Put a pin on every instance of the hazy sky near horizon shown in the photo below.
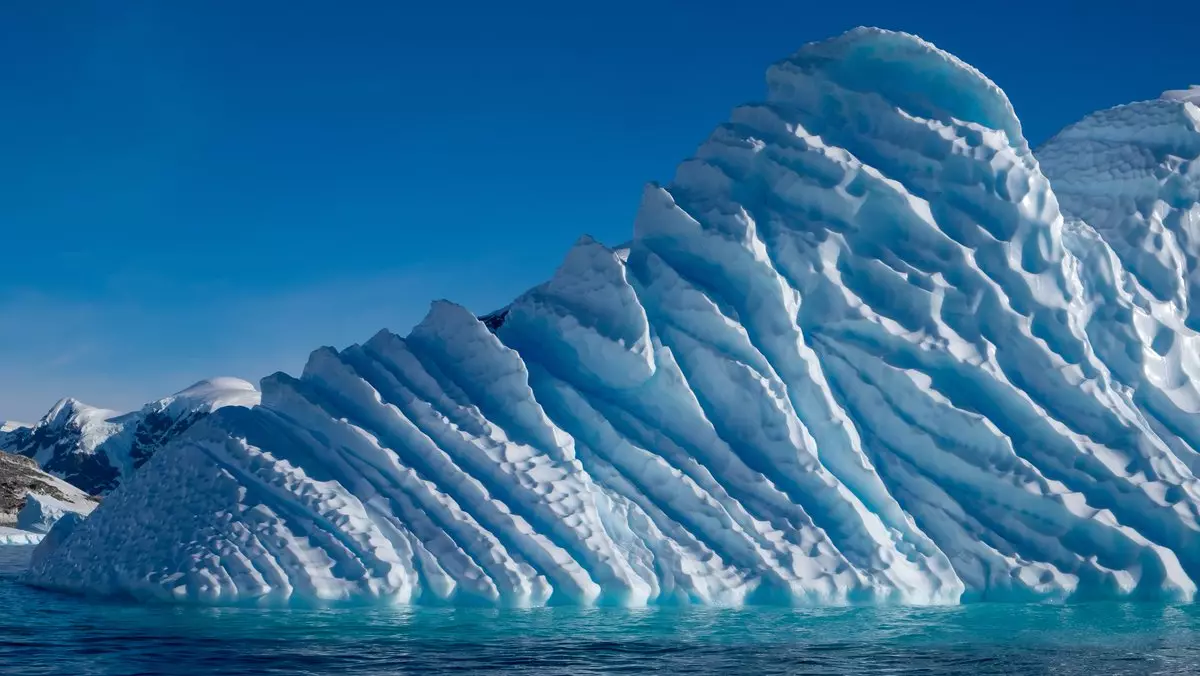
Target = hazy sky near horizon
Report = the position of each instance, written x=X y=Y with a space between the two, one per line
x=206 y=187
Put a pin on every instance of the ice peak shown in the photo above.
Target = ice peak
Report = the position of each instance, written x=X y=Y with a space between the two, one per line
x=587 y=253
x=211 y=385
x=447 y=312
x=208 y=395
x=903 y=69
x=1189 y=95
x=63 y=411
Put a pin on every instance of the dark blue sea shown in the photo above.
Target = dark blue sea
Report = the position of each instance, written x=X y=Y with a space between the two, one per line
x=45 y=633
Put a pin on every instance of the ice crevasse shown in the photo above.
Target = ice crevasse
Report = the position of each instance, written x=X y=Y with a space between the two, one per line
x=855 y=352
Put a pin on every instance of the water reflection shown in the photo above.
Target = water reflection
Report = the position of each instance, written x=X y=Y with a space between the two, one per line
x=48 y=633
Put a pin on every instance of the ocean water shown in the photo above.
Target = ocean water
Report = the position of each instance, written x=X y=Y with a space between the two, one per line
x=46 y=633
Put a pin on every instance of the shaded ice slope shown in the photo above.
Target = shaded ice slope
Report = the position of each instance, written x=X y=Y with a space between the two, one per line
x=852 y=354
x=1132 y=174
x=94 y=448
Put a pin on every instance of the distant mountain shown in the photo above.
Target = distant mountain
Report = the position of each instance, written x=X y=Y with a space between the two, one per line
x=10 y=431
x=94 y=448
x=31 y=501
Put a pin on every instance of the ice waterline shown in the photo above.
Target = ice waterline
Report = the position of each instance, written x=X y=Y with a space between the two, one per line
x=856 y=353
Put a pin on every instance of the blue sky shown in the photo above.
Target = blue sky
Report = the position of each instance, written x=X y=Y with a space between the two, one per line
x=201 y=188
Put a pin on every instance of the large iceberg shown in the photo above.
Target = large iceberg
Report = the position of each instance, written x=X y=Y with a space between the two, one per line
x=854 y=353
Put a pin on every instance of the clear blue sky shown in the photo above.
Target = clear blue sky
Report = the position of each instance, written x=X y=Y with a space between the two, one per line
x=200 y=188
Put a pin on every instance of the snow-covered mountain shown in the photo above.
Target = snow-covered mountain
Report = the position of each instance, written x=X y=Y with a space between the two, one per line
x=94 y=449
x=853 y=353
x=31 y=501
x=10 y=431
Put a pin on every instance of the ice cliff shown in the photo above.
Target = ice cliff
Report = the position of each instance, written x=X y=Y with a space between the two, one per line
x=854 y=353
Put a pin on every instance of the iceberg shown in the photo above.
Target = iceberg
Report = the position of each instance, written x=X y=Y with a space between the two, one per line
x=16 y=537
x=41 y=512
x=31 y=501
x=856 y=352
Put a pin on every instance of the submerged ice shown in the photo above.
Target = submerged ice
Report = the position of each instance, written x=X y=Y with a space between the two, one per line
x=854 y=353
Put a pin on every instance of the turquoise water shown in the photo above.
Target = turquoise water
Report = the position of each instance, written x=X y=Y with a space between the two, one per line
x=44 y=633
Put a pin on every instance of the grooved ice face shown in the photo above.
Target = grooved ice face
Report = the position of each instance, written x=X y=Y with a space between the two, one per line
x=854 y=353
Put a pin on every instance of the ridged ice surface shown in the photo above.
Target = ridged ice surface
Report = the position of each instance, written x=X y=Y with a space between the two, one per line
x=853 y=354
x=1133 y=174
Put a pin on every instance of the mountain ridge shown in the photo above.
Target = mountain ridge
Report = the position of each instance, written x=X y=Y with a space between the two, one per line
x=94 y=448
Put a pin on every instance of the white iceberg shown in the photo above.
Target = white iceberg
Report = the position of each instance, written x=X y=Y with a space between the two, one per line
x=854 y=353
x=32 y=501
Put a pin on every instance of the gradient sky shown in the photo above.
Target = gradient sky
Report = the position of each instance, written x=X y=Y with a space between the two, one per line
x=201 y=188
